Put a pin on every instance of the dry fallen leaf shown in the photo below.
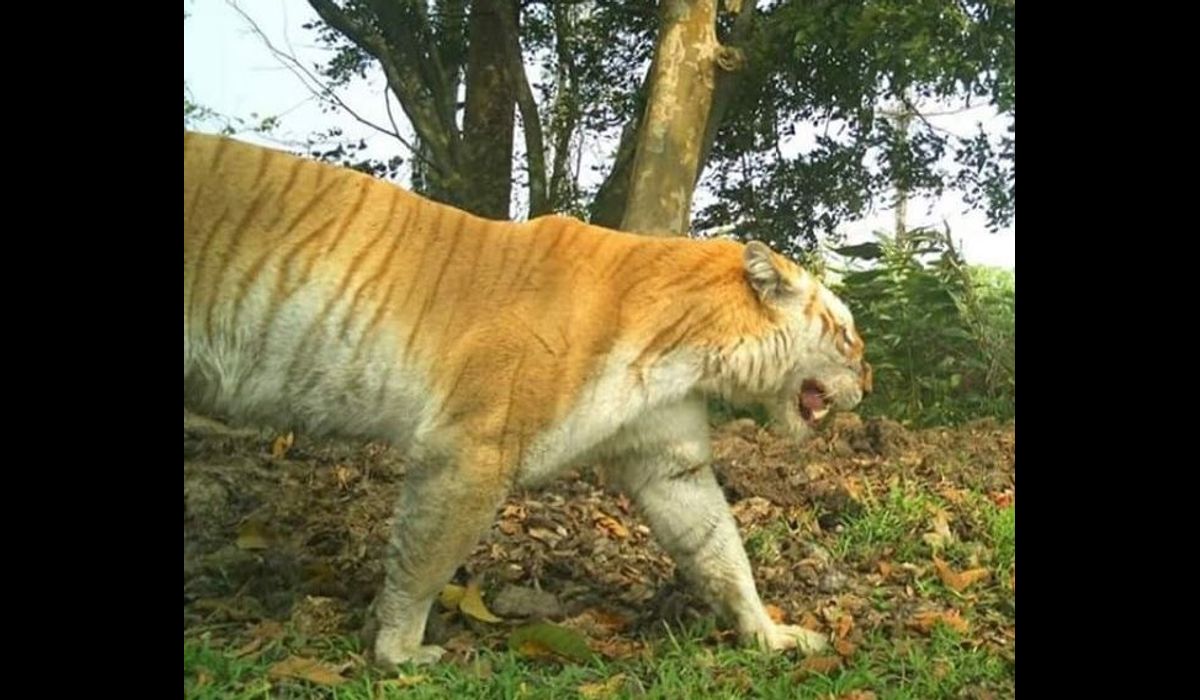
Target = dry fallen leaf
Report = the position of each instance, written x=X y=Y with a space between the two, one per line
x=461 y=644
x=940 y=536
x=810 y=621
x=820 y=664
x=311 y=670
x=885 y=569
x=775 y=613
x=344 y=475
x=957 y=581
x=472 y=605
x=844 y=647
x=754 y=509
x=598 y=623
x=853 y=488
x=603 y=689
x=617 y=648
x=843 y=626
x=925 y=621
x=249 y=647
x=611 y=526
x=610 y=621
x=858 y=695
x=281 y=445
x=1003 y=499
x=514 y=511
x=260 y=634
x=545 y=535
x=268 y=629
x=954 y=495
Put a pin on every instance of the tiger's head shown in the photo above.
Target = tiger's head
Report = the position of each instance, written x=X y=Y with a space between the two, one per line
x=812 y=344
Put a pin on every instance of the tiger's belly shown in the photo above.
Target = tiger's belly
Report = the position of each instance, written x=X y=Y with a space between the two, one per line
x=302 y=364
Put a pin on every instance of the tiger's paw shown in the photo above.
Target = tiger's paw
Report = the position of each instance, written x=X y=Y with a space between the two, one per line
x=784 y=637
x=390 y=650
x=422 y=655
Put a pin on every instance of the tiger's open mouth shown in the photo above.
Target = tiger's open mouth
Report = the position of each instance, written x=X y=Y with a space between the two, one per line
x=812 y=401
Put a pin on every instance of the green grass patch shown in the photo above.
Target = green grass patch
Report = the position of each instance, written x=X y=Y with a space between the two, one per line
x=894 y=523
x=681 y=664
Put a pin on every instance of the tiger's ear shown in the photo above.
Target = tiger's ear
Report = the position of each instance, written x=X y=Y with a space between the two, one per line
x=762 y=270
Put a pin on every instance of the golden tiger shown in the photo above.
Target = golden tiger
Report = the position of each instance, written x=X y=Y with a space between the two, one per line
x=498 y=353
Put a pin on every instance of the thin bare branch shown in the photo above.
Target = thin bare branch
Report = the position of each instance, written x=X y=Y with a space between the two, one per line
x=305 y=76
x=403 y=81
x=387 y=106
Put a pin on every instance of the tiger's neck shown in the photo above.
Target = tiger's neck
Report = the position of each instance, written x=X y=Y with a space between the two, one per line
x=700 y=306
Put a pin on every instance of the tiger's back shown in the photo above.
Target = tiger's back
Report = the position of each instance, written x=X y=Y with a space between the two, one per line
x=323 y=298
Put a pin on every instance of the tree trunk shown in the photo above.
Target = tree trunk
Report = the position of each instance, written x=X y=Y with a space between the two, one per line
x=564 y=113
x=488 y=119
x=671 y=136
x=612 y=200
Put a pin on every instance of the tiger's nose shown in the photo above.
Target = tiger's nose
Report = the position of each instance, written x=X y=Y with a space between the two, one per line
x=868 y=376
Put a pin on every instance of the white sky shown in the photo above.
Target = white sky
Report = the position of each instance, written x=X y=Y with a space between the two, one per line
x=228 y=68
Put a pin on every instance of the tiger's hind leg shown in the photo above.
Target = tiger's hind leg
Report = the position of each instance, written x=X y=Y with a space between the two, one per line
x=664 y=463
x=442 y=513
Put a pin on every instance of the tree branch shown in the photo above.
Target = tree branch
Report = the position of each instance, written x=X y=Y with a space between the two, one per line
x=401 y=79
x=531 y=123
x=305 y=76
x=565 y=111
x=726 y=86
x=608 y=207
x=387 y=105
x=410 y=34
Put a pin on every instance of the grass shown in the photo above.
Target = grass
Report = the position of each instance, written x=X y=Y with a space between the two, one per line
x=890 y=525
x=762 y=545
x=682 y=665
x=894 y=526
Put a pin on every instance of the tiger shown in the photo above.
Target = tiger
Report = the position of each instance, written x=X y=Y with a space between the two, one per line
x=497 y=355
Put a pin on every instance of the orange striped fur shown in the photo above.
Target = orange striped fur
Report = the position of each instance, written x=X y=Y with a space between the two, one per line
x=324 y=299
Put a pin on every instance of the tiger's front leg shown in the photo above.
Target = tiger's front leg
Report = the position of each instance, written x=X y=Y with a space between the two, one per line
x=664 y=464
x=442 y=513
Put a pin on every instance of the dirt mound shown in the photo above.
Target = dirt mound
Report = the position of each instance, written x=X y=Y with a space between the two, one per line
x=750 y=461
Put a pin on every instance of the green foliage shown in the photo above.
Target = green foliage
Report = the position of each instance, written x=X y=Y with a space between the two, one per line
x=835 y=65
x=940 y=334
x=199 y=117
x=330 y=146
x=830 y=64
x=196 y=115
